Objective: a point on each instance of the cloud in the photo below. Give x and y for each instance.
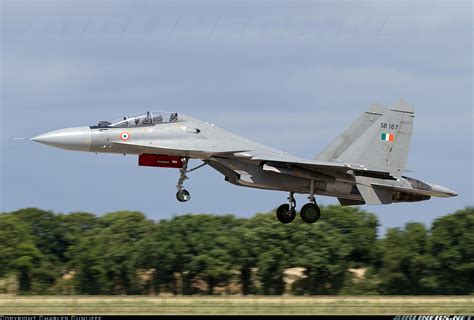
(41, 77)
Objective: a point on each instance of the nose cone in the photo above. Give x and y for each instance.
(71, 139)
(446, 192)
(452, 193)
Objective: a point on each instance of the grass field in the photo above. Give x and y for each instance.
(102, 305)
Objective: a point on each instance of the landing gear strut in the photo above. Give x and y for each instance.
(286, 213)
(183, 195)
(310, 212)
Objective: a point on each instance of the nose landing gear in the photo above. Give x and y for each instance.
(183, 195)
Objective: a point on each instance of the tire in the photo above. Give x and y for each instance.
(310, 213)
(284, 214)
(183, 195)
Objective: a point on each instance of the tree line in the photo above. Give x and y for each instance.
(42, 252)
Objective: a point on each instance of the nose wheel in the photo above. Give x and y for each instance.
(183, 195)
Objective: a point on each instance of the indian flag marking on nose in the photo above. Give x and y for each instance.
(387, 137)
(124, 136)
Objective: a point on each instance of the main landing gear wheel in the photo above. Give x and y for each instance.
(183, 195)
(310, 213)
(285, 214)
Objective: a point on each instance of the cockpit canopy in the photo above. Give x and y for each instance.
(141, 120)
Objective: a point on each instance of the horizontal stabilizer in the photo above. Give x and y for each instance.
(432, 191)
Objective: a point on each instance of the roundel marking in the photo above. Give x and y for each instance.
(124, 136)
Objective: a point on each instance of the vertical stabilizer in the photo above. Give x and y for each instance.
(384, 145)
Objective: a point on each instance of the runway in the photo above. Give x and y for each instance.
(228, 305)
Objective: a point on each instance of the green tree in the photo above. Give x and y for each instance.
(103, 261)
(451, 247)
(273, 249)
(195, 246)
(359, 231)
(368, 284)
(46, 232)
(19, 255)
(243, 248)
(163, 251)
(214, 267)
(324, 254)
(405, 261)
(28, 258)
(76, 226)
(13, 232)
(86, 260)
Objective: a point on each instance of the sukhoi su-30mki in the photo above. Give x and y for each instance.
(363, 165)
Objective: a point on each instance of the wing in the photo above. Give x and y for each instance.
(316, 169)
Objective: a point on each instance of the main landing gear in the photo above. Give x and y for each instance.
(183, 195)
(286, 213)
(310, 212)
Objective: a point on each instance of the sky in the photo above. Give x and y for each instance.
(289, 74)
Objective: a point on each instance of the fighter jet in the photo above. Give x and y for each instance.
(365, 164)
